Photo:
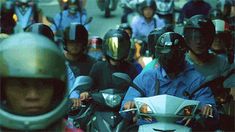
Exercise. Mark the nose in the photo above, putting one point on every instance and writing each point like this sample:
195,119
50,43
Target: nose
32,93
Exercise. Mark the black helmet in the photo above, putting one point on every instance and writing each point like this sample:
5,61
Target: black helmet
116,44
147,3
41,29
203,24
225,7
154,35
165,7
170,41
215,14
171,48
76,33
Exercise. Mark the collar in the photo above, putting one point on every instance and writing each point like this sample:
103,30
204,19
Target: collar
180,76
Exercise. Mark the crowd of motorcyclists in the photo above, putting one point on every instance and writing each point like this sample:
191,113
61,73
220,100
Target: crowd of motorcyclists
163,49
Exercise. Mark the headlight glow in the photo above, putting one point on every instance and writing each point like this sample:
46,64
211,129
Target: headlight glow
112,100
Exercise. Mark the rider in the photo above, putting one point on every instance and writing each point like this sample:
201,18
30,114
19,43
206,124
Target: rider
75,49
27,13
116,46
199,34
173,76
73,14
33,84
143,24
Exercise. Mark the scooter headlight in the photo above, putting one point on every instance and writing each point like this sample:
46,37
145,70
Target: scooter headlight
187,111
112,100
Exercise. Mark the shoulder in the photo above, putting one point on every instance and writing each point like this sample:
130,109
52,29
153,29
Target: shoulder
147,75
191,74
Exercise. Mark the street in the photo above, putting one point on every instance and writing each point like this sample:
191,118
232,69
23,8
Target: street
99,25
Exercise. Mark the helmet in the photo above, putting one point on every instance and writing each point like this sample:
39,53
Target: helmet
154,35
116,44
169,42
34,58
215,14
74,6
225,6
165,7
42,29
203,24
147,3
76,33
171,49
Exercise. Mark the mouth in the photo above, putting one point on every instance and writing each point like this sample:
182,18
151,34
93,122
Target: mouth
33,110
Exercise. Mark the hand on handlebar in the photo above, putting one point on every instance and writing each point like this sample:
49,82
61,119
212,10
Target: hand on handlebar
84,96
207,111
76,102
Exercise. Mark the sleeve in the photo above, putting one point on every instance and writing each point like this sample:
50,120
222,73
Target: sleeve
94,74
134,26
205,96
131,94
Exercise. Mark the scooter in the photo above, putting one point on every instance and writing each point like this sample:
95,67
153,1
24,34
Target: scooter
167,109
107,6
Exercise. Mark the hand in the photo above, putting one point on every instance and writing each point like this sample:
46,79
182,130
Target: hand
129,105
207,111
84,96
76,102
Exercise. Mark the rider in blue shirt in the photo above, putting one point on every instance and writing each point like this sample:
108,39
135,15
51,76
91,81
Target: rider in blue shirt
147,21
71,15
175,77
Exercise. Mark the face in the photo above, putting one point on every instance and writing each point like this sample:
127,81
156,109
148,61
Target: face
197,41
28,96
148,12
74,48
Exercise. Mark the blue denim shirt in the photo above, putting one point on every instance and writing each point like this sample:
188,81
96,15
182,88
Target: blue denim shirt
67,19
188,80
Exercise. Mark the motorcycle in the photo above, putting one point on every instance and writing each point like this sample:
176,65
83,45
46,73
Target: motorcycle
107,6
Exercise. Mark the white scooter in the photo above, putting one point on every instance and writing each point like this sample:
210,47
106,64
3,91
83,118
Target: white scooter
166,109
